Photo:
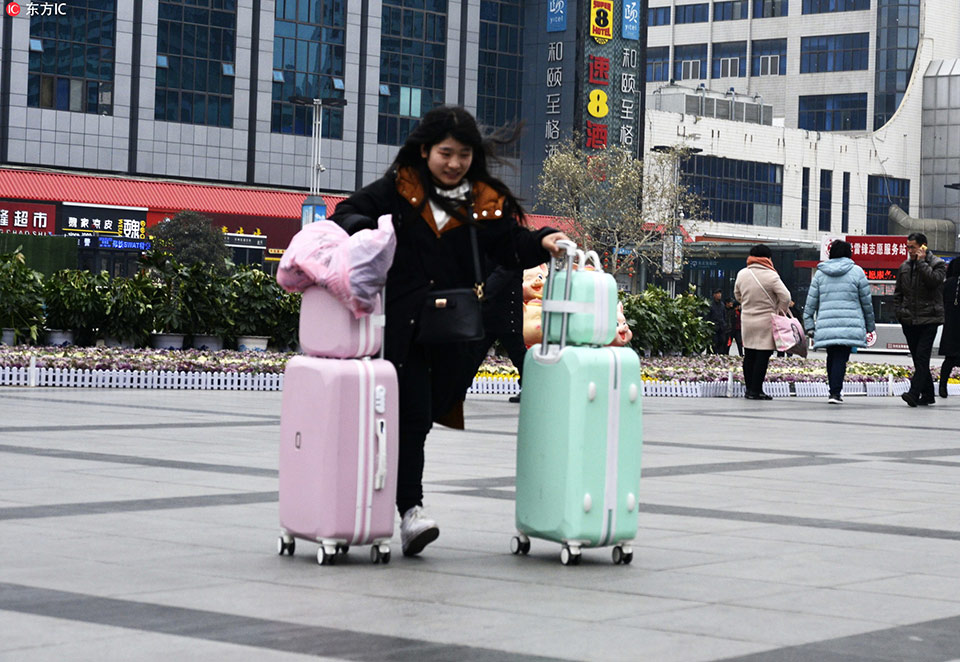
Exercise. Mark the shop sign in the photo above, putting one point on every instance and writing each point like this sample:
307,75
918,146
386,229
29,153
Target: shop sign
236,240
27,218
102,221
124,244
554,85
874,249
881,274
556,15
630,23
601,20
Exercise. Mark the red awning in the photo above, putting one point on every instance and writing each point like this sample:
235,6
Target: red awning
155,195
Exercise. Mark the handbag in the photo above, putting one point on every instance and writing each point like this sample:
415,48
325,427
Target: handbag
788,333
454,315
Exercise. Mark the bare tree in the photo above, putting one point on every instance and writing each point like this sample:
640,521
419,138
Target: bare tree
600,191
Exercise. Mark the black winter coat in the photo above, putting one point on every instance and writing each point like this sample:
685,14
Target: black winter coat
950,338
503,309
425,262
918,296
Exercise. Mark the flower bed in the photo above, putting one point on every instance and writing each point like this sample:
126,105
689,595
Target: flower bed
700,376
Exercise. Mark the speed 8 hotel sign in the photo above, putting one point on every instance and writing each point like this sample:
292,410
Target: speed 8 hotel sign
611,60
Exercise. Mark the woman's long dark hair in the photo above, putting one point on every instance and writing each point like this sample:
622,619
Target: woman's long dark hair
455,122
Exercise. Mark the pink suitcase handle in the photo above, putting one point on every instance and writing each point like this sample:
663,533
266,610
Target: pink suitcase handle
380,479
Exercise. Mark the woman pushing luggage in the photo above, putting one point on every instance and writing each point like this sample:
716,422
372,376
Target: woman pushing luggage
448,212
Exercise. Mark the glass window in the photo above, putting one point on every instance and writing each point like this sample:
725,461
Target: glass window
881,193
769,8
769,57
833,112
734,191
827,6
730,11
730,59
197,86
413,57
690,62
698,13
71,62
835,52
826,200
898,34
805,200
658,64
845,209
658,16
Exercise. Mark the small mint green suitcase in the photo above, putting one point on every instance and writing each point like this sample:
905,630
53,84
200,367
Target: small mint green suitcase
591,303
578,449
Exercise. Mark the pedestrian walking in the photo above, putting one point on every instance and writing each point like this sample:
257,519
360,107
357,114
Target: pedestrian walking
444,202
717,315
761,293
950,338
838,314
733,323
918,305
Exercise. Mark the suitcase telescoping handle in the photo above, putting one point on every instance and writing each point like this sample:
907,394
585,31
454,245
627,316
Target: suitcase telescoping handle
571,249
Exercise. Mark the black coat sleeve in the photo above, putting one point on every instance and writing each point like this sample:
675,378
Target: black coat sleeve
362,209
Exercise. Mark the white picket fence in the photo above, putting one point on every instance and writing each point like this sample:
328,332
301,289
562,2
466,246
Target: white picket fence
206,381
501,385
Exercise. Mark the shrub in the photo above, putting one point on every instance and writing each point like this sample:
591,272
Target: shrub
21,297
662,325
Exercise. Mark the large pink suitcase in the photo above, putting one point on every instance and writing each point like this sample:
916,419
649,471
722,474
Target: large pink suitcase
338,455
328,328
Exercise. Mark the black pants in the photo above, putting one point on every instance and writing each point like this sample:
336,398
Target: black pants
755,363
949,363
837,357
720,342
735,337
416,419
920,339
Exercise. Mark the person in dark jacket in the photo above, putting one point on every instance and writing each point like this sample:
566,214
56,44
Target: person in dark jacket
918,304
717,315
503,317
838,314
436,189
733,323
950,338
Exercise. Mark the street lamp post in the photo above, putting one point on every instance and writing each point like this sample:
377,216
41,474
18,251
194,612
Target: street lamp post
314,208
956,187
672,265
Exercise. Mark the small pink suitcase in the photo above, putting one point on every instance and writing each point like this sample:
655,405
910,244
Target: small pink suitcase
328,328
338,455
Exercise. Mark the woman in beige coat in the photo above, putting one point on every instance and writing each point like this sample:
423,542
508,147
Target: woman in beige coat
760,293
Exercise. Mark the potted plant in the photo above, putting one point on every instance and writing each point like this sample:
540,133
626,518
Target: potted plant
21,299
255,307
169,308
209,302
75,305
129,315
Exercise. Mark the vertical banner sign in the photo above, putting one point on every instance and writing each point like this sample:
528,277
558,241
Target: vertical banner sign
631,20
556,15
601,20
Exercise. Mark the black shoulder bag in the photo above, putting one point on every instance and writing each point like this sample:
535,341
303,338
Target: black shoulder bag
450,316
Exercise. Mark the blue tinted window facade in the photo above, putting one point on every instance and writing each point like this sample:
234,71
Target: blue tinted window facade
826,200
690,62
731,11
308,61
770,8
658,64
833,112
197,41
845,209
658,16
835,52
413,55
881,193
805,200
827,6
769,57
698,13
75,68
736,191
730,59
898,34
501,62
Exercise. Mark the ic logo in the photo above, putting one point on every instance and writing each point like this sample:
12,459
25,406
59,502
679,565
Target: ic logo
13,9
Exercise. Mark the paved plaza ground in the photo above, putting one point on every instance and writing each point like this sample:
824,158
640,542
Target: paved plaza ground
142,525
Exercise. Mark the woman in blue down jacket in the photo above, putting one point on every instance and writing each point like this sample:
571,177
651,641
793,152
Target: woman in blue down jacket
839,301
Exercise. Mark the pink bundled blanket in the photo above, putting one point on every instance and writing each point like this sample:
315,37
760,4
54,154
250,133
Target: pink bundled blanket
351,267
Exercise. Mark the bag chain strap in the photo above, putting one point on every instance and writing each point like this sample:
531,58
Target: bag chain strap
474,245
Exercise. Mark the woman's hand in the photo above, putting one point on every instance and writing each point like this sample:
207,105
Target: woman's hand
549,244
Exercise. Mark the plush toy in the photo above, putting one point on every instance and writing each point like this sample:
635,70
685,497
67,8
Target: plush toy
533,282
624,334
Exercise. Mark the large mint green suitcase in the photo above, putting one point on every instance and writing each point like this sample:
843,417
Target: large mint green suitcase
578,450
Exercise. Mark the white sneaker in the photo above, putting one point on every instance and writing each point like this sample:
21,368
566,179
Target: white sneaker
835,400
417,531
